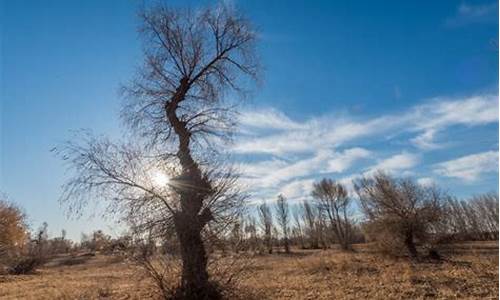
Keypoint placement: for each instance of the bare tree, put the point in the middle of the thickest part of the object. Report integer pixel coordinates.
(177, 108)
(310, 217)
(399, 211)
(322, 230)
(266, 222)
(237, 236)
(472, 219)
(297, 230)
(41, 242)
(333, 201)
(251, 232)
(283, 217)
(486, 207)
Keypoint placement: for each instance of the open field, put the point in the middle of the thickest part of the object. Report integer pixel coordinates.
(471, 272)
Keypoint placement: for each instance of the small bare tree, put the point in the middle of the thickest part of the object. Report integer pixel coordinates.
(41, 242)
(251, 232)
(297, 230)
(266, 222)
(177, 110)
(310, 216)
(333, 201)
(399, 211)
(283, 218)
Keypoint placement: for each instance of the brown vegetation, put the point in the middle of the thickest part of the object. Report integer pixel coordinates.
(471, 273)
(399, 212)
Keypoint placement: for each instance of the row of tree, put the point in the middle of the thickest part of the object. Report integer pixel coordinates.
(396, 214)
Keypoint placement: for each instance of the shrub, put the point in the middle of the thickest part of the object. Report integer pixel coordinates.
(400, 213)
(23, 265)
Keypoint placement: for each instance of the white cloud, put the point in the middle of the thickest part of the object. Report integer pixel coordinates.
(268, 119)
(395, 163)
(261, 168)
(304, 151)
(344, 160)
(441, 113)
(274, 172)
(426, 181)
(300, 168)
(298, 189)
(425, 140)
(315, 134)
(285, 136)
(469, 168)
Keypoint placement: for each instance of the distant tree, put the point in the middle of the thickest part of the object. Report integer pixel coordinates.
(266, 222)
(471, 219)
(41, 242)
(236, 238)
(251, 232)
(310, 216)
(179, 113)
(283, 218)
(485, 209)
(60, 244)
(100, 240)
(333, 201)
(322, 230)
(297, 230)
(399, 211)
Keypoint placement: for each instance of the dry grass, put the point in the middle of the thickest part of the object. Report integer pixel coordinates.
(470, 273)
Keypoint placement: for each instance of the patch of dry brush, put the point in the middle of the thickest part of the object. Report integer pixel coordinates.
(331, 274)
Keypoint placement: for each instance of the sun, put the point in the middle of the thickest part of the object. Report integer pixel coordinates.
(160, 179)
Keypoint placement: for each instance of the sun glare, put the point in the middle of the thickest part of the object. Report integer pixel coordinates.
(160, 179)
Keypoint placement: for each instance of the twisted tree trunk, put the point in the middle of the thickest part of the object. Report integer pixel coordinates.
(193, 188)
(194, 281)
(410, 245)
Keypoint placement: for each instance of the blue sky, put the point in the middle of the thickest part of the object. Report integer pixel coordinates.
(348, 87)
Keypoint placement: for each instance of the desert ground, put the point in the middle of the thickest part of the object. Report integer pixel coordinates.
(469, 272)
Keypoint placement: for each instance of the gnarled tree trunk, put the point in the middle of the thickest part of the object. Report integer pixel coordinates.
(194, 280)
(190, 220)
(410, 245)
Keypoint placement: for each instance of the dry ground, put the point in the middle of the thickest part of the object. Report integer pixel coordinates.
(471, 272)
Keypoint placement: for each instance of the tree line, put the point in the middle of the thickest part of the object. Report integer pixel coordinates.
(396, 214)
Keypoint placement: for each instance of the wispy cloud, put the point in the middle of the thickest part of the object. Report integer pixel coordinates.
(297, 190)
(268, 119)
(472, 14)
(469, 168)
(275, 171)
(288, 155)
(342, 161)
(313, 134)
(285, 136)
(426, 181)
(441, 113)
(426, 141)
(396, 163)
